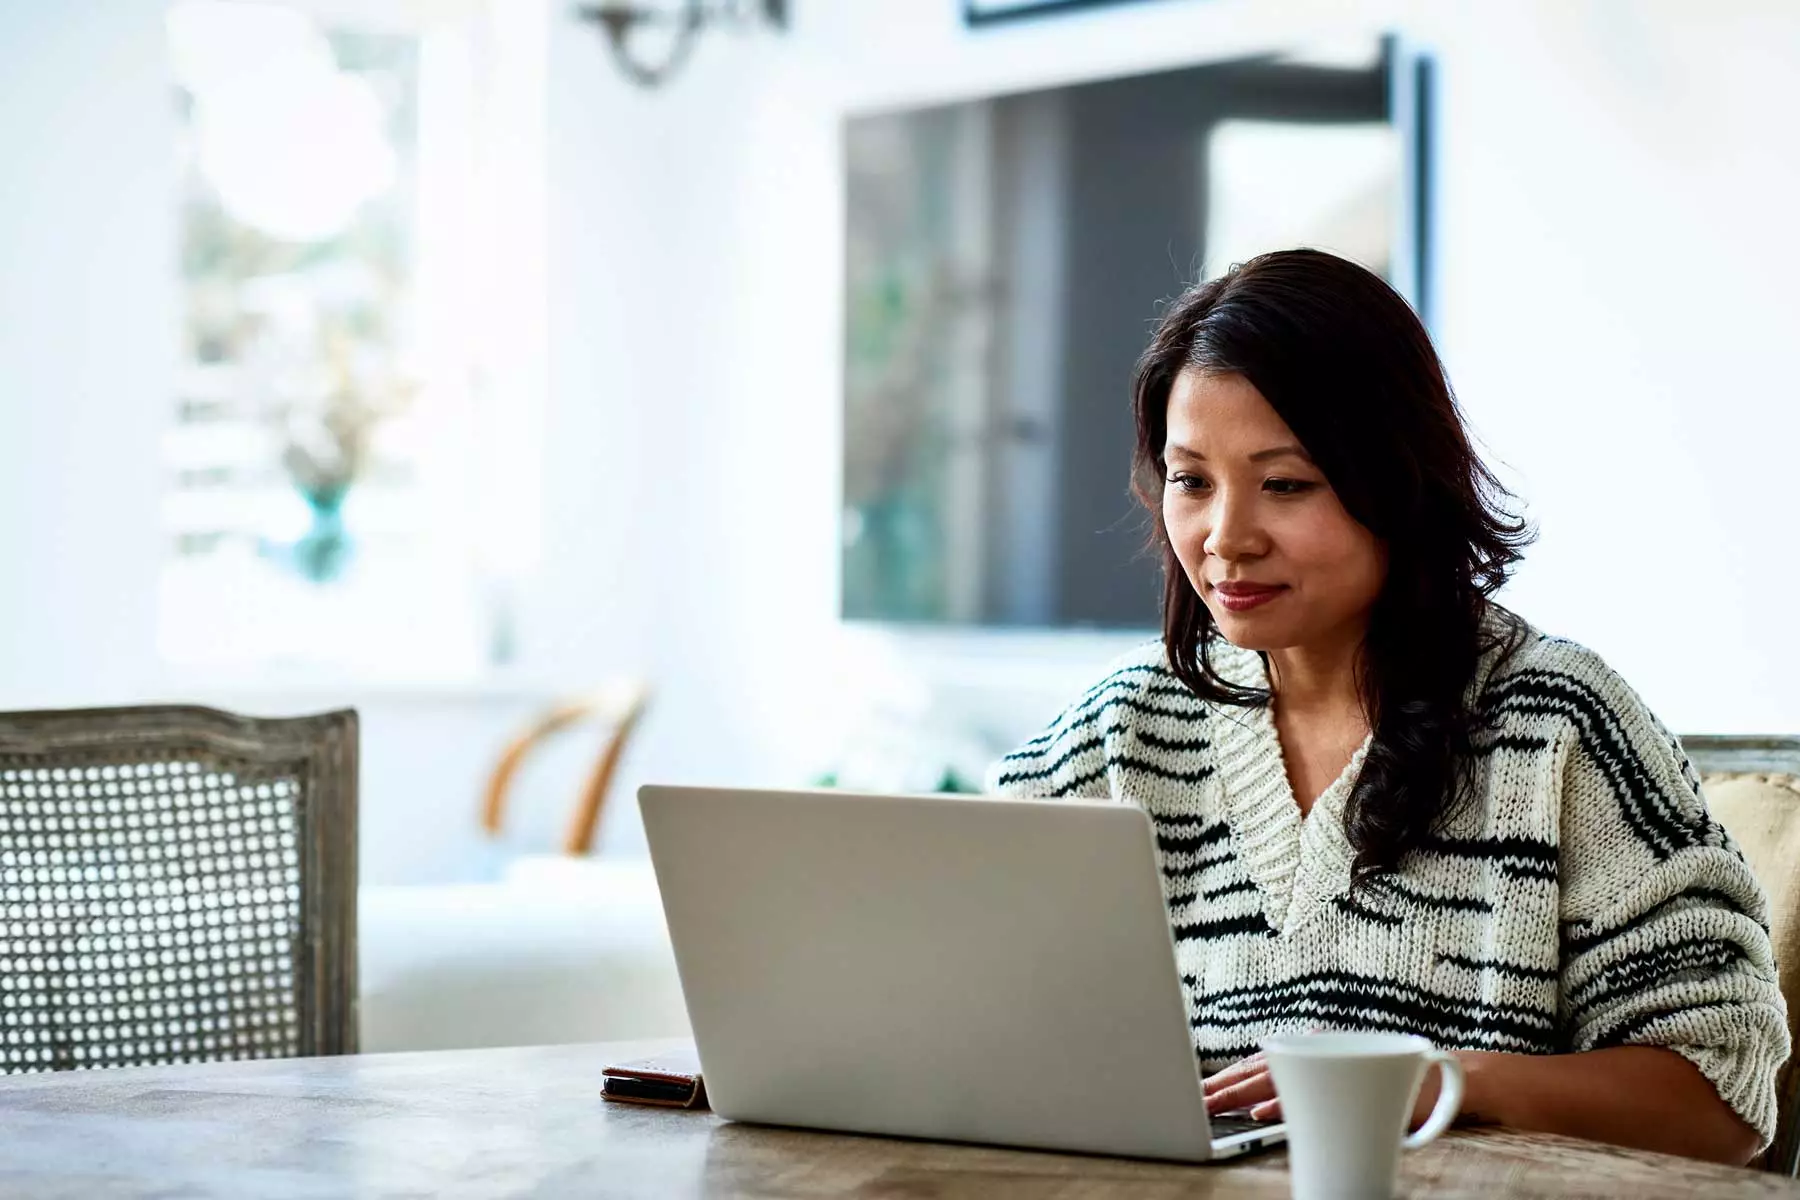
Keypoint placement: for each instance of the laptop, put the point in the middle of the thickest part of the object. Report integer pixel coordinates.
(960, 969)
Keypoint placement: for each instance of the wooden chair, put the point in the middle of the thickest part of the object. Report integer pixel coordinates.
(1752, 786)
(177, 884)
(617, 708)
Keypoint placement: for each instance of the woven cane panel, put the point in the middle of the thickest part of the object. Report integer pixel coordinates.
(149, 912)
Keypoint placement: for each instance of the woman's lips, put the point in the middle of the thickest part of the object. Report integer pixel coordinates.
(1242, 597)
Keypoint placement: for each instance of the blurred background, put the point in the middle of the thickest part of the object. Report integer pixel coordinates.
(457, 359)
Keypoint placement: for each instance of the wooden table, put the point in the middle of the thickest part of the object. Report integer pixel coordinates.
(530, 1122)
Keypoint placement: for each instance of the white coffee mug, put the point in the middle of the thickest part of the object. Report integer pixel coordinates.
(1346, 1098)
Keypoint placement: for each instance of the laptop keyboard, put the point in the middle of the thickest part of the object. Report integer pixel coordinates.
(1227, 1125)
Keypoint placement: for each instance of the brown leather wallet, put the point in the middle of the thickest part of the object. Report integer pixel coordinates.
(669, 1080)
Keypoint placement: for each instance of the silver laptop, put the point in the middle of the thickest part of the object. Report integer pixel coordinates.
(975, 970)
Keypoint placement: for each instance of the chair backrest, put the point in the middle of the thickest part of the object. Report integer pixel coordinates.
(1752, 786)
(177, 884)
(616, 707)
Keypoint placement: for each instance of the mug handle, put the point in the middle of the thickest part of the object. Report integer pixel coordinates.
(1450, 1094)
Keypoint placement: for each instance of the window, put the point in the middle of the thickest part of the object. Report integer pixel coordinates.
(349, 483)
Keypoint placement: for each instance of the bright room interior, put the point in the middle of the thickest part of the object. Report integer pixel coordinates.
(607, 438)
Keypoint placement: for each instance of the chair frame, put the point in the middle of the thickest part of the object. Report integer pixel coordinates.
(618, 707)
(1724, 754)
(1716, 754)
(322, 751)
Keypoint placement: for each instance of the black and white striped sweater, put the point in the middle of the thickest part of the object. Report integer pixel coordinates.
(1588, 900)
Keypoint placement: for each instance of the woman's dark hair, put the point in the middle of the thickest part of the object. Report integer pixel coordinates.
(1348, 365)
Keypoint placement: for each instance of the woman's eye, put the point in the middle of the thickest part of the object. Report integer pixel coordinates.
(1289, 487)
(1188, 483)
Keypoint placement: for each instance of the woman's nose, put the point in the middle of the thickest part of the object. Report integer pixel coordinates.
(1235, 532)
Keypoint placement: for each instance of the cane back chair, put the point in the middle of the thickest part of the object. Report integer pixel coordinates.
(177, 884)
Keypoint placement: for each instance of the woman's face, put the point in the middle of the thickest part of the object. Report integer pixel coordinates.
(1260, 533)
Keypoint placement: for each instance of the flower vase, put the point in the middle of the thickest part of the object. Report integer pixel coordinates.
(324, 549)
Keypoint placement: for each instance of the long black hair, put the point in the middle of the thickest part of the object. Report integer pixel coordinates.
(1350, 369)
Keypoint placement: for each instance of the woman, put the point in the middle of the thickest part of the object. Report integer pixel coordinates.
(1380, 800)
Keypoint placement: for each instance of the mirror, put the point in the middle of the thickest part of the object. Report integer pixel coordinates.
(1005, 261)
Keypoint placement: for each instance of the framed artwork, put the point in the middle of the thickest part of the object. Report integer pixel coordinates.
(994, 12)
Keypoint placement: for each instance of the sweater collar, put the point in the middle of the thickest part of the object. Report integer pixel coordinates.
(1293, 859)
(1290, 859)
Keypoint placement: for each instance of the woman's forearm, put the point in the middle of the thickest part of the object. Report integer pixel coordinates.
(1640, 1096)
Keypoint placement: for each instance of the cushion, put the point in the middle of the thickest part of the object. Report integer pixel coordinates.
(1762, 814)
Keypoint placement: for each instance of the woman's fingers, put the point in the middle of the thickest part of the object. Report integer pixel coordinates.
(1242, 1069)
(1245, 1091)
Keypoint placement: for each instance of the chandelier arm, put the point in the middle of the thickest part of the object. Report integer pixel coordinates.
(617, 20)
(687, 36)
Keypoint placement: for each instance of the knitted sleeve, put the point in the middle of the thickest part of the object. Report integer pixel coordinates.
(1070, 759)
(1664, 930)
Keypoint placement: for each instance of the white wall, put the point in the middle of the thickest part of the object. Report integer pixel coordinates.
(1617, 220)
(1619, 250)
(1617, 188)
(87, 343)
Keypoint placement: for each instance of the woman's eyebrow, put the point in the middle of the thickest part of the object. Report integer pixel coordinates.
(1290, 450)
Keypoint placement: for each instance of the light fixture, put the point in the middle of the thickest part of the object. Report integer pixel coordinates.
(677, 26)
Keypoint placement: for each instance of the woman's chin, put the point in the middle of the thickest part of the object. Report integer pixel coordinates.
(1249, 630)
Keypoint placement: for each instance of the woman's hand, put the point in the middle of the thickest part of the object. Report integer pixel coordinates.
(1641, 1096)
(1247, 1084)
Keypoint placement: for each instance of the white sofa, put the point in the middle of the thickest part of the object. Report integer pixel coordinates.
(558, 950)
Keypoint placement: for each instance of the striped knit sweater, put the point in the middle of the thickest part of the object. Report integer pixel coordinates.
(1587, 900)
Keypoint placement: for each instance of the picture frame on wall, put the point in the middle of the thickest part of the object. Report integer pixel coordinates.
(996, 12)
